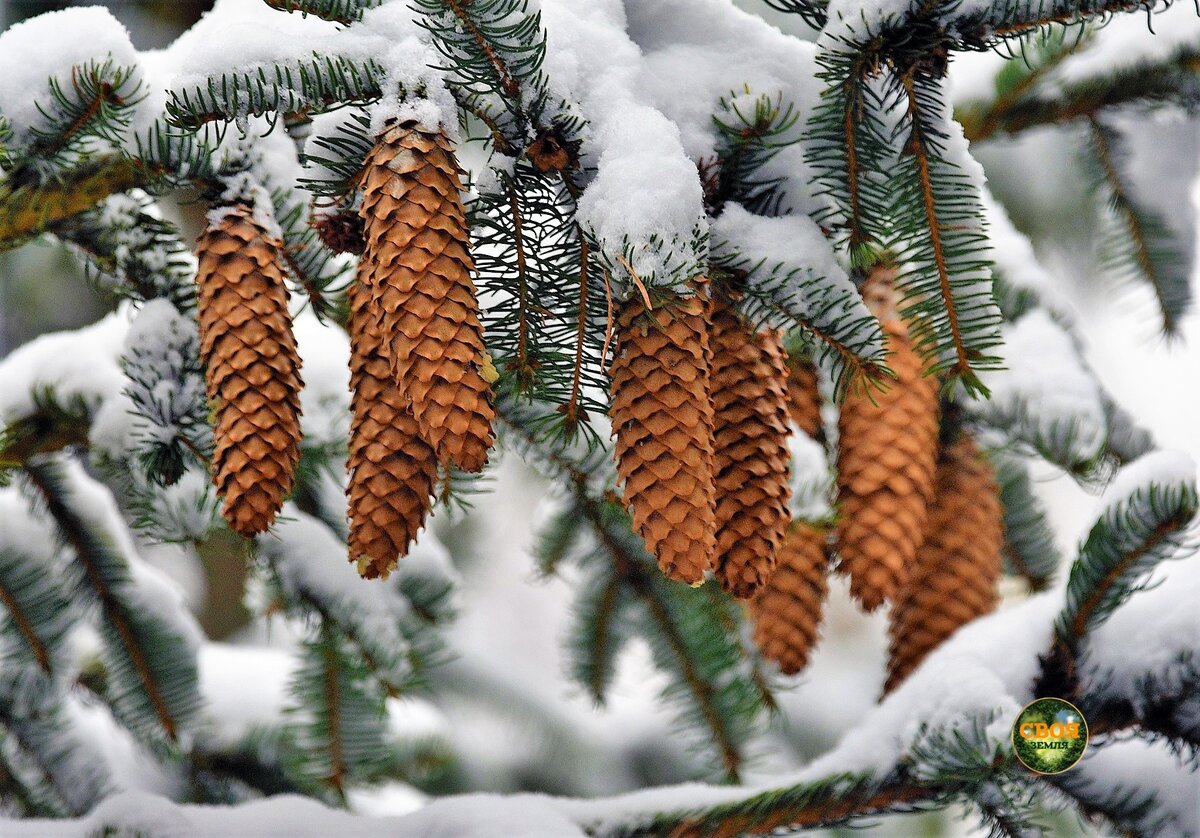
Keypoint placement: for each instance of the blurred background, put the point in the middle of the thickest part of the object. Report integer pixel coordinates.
(510, 717)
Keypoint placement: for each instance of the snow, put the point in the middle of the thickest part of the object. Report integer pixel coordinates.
(325, 399)
(678, 76)
(1046, 383)
(645, 203)
(1017, 264)
(1158, 468)
(1145, 769)
(45, 47)
(1129, 41)
(76, 366)
(795, 265)
(311, 563)
(245, 690)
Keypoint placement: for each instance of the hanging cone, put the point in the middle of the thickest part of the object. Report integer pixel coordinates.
(886, 459)
(392, 470)
(787, 611)
(958, 568)
(251, 368)
(416, 244)
(662, 420)
(750, 453)
(804, 396)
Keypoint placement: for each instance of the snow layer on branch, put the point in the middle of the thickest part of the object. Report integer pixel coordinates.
(700, 51)
(245, 689)
(1158, 468)
(794, 265)
(1127, 41)
(1046, 383)
(49, 46)
(1015, 261)
(255, 37)
(311, 565)
(645, 203)
(150, 590)
(76, 367)
(241, 36)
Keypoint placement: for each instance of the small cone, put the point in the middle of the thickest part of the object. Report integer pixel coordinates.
(957, 570)
(662, 419)
(804, 396)
(392, 470)
(750, 453)
(787, 611)
(886, 459)
(251, 368)
(416, 242)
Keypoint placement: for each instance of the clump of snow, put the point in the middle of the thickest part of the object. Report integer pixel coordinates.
(1046, 384)
(1015, 261)
(645, 204)
(791, 262)
(1164, 469)
(76, 367)
(311, 564)
(47, 47)
(812, 479)
(679, 76)
(245, 690)
(413, 89)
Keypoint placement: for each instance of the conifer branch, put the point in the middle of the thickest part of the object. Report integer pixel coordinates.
(79, 536)
(1151, 252)
(28, 210)
(507, 83)
(917, 148)
(24, 626)
(337, 761)
(344, 12)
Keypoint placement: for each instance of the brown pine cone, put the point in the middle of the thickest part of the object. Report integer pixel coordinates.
(416, 242)
(787, 611)
(804, 396)
(958, 568)
(886, 459)
(392, 470)
(662, 419)
(750, 453)
(251, 366)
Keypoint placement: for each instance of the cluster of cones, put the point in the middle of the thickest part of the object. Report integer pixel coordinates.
(701, 409)
(418, 370)
(702, 405)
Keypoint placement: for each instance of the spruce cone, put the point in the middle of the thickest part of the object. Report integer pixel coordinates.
(787, 611)
(416, 243)
(886, 459)
(392, 470)
(662, 419)
(251, 368)
(750, 453)
(804, 396)
(954, 578)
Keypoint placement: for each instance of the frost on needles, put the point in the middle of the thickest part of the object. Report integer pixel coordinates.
(705, 279)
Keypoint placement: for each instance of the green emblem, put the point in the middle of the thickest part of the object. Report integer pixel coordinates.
(1050, 736)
